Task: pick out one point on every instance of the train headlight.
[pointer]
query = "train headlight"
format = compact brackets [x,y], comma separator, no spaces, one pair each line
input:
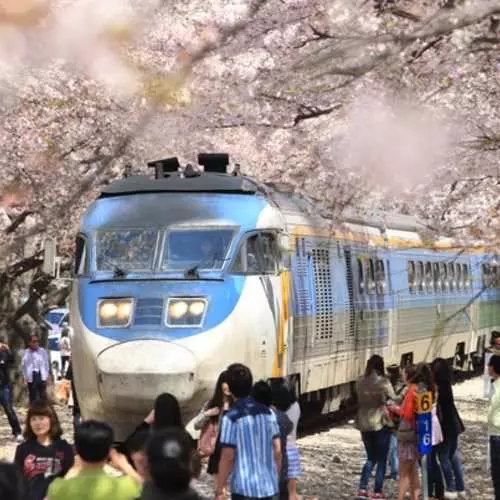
[186,311]
[114,313]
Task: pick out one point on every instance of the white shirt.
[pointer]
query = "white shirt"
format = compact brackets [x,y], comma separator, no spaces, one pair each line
[293,414]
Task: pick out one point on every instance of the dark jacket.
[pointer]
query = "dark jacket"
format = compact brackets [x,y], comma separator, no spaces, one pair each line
[151,492]
[6,358]
[451,423]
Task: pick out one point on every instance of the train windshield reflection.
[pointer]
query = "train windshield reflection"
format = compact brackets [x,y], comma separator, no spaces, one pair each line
[204,248]
[130,250]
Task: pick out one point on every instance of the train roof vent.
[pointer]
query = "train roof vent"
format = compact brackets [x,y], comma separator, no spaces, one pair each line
[214,162]
[165,167]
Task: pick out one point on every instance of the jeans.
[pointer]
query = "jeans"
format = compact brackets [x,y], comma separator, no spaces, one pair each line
[451,465]
[37,389]
[235,496]
[435,477]
[495,464]
[377,448]
[393,456]
[6,403]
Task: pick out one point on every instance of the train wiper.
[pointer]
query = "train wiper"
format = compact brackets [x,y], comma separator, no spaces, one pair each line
[192,272]
[119,272]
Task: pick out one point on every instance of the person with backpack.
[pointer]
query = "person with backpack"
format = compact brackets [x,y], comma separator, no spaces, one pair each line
[208,422]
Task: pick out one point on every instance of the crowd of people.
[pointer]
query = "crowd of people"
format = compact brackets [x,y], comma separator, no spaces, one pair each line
[387,420]
[248,439]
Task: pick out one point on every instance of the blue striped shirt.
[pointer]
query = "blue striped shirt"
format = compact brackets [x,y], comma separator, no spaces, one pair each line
[250,428]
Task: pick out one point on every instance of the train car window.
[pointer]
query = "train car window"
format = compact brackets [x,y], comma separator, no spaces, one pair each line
[361,275]
[429,282]
[420,276]
[486,275]
[465,276]
[443,271]
[411,276]
[380,277]
[370,276]
[458,276]
[81,266]
[451,277]
[436,277]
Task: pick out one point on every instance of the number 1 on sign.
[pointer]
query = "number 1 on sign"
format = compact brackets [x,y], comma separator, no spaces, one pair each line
[424,402]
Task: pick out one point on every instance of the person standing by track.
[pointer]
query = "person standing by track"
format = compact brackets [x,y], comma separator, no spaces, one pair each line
[374,390]
[494,423]
[250,440]
[7,358]
[36,369]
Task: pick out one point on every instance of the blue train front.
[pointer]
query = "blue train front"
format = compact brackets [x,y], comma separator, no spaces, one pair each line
[177,277]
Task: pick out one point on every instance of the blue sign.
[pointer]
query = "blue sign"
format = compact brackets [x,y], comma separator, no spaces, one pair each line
[424,433]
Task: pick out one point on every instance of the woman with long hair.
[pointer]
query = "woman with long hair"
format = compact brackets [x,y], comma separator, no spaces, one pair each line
[418,378]
[44,455]
[209,418]
[166,414]
[452,426]
[374,390]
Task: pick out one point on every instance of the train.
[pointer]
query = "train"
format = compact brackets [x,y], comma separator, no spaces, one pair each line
[181,273]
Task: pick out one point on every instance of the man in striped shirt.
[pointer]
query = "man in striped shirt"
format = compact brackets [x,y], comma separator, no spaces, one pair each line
[250,440]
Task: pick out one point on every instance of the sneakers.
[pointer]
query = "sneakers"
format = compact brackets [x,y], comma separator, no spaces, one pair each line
[450,495]
[380,496]
[362,494]
[19,438]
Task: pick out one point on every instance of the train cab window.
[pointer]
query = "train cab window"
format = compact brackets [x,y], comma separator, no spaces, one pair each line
[370,276]
[380,284]
[428,277]
[420,276]
[259,254]
[458,276]
[361,275]
[270,252]
[411,276]
[81,267]
[443,271]
[465,276]
[451,277]
[436,277]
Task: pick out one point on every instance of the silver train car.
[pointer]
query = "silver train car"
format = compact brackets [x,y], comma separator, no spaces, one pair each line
[179,275]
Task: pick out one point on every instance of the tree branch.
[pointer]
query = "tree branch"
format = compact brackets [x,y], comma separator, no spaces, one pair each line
[18,221]
[308,112]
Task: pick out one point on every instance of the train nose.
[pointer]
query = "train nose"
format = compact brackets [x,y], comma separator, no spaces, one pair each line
[132,374]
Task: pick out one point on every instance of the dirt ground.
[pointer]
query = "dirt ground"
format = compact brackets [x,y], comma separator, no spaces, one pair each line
[332,459]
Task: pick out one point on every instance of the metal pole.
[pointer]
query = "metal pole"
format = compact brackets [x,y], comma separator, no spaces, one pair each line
[425,482]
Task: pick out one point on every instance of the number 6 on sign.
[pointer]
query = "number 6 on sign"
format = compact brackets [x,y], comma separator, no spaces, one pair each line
[423,402]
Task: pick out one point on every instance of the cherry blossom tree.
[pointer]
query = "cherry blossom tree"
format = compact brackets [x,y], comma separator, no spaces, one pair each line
[387,105]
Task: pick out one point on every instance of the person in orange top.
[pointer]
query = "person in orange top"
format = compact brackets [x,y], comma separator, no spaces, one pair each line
[416,377]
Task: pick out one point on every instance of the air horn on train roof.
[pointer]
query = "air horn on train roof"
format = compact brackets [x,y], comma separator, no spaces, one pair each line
[211,162]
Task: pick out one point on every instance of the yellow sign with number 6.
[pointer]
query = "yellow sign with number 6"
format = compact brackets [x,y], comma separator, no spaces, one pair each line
[423,403]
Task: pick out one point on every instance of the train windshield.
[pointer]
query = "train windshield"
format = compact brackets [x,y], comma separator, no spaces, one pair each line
[200,248]
[129,250]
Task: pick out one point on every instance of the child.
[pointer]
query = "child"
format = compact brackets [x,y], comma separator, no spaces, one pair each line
[44,455]
[88,481]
